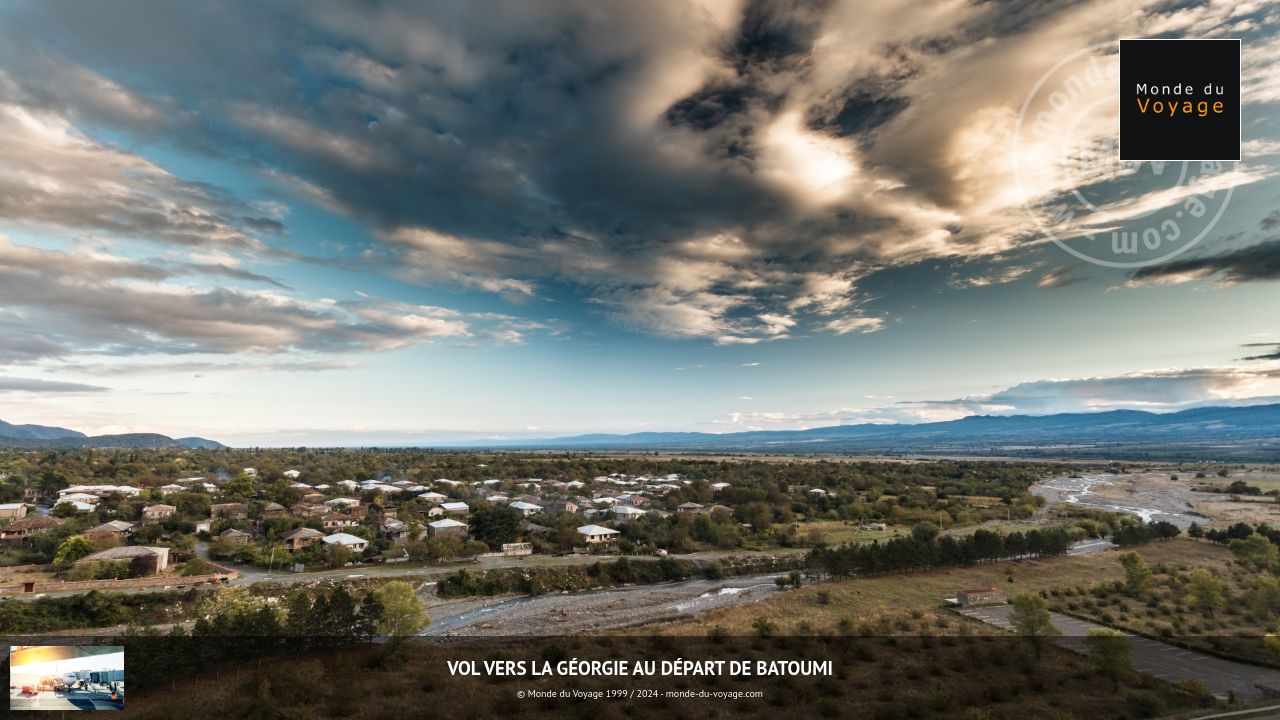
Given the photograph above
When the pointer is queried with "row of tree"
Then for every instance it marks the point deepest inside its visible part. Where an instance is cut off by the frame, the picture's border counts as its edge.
(923, 550)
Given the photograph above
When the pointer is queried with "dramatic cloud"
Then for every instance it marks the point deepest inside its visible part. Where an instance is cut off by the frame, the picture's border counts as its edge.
(718, 169)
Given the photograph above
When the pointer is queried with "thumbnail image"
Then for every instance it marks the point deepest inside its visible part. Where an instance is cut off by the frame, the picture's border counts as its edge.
(66, 677)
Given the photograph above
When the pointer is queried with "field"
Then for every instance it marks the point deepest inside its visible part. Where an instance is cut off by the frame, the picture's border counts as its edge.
(916, 599)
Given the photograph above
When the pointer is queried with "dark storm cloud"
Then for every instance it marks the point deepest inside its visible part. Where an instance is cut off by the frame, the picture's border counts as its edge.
(699, 169)
(1272, 351)
(1248, 264)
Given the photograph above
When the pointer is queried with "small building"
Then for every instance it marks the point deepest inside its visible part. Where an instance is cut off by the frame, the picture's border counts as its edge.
(152, 513)
(308, 510)
(20, 530)
(145, 560)
(596, 534)
(234, 537)
(301, 538)
(229, 510)
(447, 526)
(433, 497)
(337, 520)
(355, 543)
(561, 506)
(980, 596)
(171, 488)
(689, 507)
(274, 510)
(12, 510)
(455, 508)
(525, 508)
(626, 513)
(116, 530)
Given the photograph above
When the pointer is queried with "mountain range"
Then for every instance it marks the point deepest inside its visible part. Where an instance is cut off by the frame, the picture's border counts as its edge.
(1251, 432)
(40, 437)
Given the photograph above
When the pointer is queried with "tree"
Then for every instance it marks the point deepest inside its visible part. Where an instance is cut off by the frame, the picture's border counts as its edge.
(403, 612)
(1206, 591)
(925, 532)
(1109, 653)
(495, 525)
(1255, 552)
(1137, 576)
(1031, 619)
(1195, 531)
(72, 549)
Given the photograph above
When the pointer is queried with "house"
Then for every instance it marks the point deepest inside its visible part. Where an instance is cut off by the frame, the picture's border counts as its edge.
(447, 526)
(152, 513)
(301, 538)
(434, 498)
(146, 560)
(82, 498)
(980, 596)
(337, 520)
(394, 530)
(596, 534)
(100, 490)
(717, 487)
(525, 508)
(20, 530)
(292, 474)
(273, 510)
(455, 508)
(561, 506)
(234, 537)
(689, 507)
(171, 488)
(356, 544)
(308, 510)
(342, 502)
(817, 492)
(13, 510)
(115, 530)
(229, 510)
(626, 513)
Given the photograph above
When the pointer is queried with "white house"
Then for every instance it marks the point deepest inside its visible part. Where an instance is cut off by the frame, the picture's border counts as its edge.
(455, 508)
(625, 513)
(342, 502)
(171, 488)
(526, 508)
(357, 544)
(433, 497)
(292, 474)
(594, 534)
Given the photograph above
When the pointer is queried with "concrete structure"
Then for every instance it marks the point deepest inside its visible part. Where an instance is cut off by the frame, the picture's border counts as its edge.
(337, 520)
(13, 511)
(980, 596)
(595, 534)
(626, 513)
(149, 560)
(152, 513)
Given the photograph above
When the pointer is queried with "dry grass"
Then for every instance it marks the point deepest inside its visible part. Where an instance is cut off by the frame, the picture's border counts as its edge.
(822, 606)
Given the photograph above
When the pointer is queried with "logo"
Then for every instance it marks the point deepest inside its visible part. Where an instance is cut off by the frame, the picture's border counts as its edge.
(1101, 209)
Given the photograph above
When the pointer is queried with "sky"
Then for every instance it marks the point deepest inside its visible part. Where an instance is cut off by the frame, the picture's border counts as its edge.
(321, 222)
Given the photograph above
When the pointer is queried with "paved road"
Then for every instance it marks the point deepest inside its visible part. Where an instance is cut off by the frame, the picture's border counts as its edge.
(1161, 660)
(64, 700)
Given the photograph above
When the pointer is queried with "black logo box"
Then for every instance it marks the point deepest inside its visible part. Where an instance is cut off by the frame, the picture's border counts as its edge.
(1185, 67)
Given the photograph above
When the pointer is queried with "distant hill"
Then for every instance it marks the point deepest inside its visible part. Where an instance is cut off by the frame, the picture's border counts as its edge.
(36, 432)
(41, 437)
(1239, 433)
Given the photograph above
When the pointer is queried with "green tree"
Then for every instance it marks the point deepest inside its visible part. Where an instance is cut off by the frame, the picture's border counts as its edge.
(1255, 552)
(72, 549)
(1031, 619)
(1137, 576)
(1206, 591)
(403, 612)
(1109, 653)
(1264, 599)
